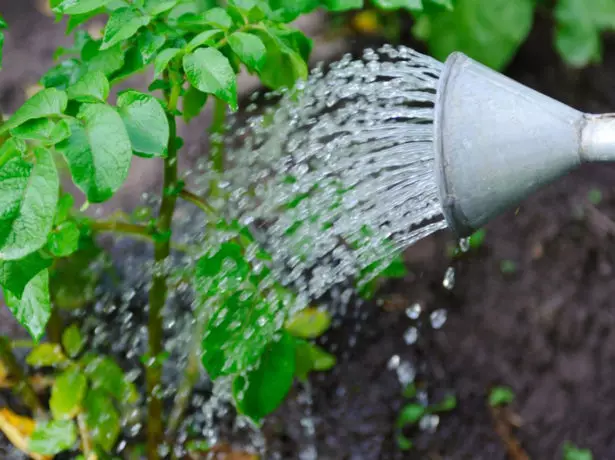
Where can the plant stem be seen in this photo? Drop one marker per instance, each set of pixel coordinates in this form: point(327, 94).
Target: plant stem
point(216, 139)
point(86, 440)
point(159, 290)
point(23, 387)
point(199, 202)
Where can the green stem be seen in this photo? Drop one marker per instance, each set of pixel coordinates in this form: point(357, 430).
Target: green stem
point(199, 202)
point(86, 439)
point(159, 289)
point(216, 133)
point(23, 387)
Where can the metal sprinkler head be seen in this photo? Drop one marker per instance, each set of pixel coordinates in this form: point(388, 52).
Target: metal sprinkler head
point(498, 141)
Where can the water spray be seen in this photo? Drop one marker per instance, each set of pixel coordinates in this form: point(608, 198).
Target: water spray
point(497, 141)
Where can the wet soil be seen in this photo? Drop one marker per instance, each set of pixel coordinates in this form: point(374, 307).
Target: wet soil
point(547, 329)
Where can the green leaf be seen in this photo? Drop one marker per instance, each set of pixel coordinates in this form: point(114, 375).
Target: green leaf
point(285, 11)
point(106, 375)
point(209, 71)
point(446, 405)
point(263, 389)
point(28, 198)
point(250, 50)
point(51, 438)
point(146, 123)
point(490, 32)
point(478, 238)
point(102, 419)
point(286, 49)
point(45, 103)
point(310, 357)
point(64, 239)
point(33, 309)
point(410, 415)
point(72, 341)
point(106, 61)
point(415, 5)
point(65, 205)
point(309, 323)
point(321, 360)
point(571, 452)
point(194, 101)
point(16, 274)
point(2, 26)
point(92, 87)
point(79, 6)
point(156, 7)
point(343, 5)
point(46, 354)
point(63, 75)
point(396, 269)
point(67, 394)
point(218, 17)
point(579, 24)
point(163, 59)
point(149, 44)
point(501, 396)
point(204, 38)
point(98, 151)
point(42, 130)
point(123, 24)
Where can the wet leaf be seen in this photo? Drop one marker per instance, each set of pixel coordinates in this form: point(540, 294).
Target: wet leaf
point(218, 17)
point(446, 405)
point(51, 438)
point(149, 44)
point(45, 103)
point(92, 87)
point(146, 123)
point(163, 59)
point(204, 38)
point(264, 388)
point(156, 7)
point(107, 60)
point(33, 309)
point(209, 71)
point(98, 151)
point(123, 24)
point(309, 323)
point(102, 419)
point(64, 239)
point(79, 6)
point(193, 102)
point(249, 48)
point(310, 357)
point(67, 394)
point(16, 274)
point(28, 198)
point(18, 429)
point(72, 341)
point(286, 49)
point(410, 414)
point(414, 5)
point(42, 130)
point(106, 375)
point(46, 354)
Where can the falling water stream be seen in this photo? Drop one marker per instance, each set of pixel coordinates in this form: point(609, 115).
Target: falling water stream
point(334, 179)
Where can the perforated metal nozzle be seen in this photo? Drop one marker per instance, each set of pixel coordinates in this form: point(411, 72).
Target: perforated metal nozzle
point(498, 141)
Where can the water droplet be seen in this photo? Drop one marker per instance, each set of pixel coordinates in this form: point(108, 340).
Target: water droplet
point(449, 279)
point(438, 318)
point(413, 311)
point(393, 362)
point(411, 335)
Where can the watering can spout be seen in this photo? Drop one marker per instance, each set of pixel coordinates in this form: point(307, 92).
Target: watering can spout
point(498, 141)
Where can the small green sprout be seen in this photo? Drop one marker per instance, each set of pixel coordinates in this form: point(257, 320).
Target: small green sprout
point(501, 396)
point(571, 452)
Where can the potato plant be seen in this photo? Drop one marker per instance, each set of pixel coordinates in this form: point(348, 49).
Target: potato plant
point(194, 49)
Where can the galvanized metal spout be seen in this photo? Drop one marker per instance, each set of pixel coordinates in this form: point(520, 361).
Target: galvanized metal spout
point(497, 141)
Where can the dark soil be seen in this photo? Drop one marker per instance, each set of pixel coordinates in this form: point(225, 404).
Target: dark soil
point(547, 330)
